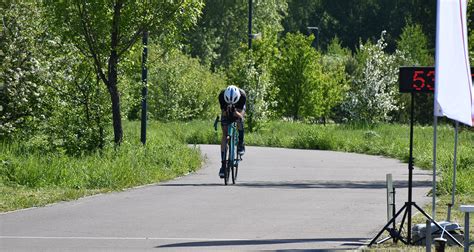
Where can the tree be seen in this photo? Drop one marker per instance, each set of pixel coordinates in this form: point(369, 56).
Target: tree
point(414, 44)
point(306, 90)
point(223, 27)
point(351, 20)
point(335, 81)
point(251, 71)
point(77, 104)
point(104, 31)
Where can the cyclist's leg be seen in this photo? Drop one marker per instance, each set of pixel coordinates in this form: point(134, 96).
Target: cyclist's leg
point(223, 146)
point(240, 126)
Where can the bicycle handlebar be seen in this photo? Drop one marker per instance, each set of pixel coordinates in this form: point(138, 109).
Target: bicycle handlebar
point(218, 120)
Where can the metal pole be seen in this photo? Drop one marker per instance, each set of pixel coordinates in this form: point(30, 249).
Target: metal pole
point(433, 207)
point(144, 88)
point(410, 168)
point(389, 196)
point(454, 169)
point(250, 24)
point(466, 232)
point(428, 236)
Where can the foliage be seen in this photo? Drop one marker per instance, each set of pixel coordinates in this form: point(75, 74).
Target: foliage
point(352, 20)
point(181, 88)
point(336, 63)
point(104, 32)
point(250, 70)
point(373, 95)
point(224, 27)
point(21, 72)
point(49, 88)
point(306, 89)
point(77, 104)
point(414, 44)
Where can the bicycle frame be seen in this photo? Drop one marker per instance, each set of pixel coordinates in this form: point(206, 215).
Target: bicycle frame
point(232, 157)
point(232, 141)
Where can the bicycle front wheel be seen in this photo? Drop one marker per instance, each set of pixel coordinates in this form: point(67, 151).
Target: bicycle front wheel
point(227, 172)
point(235, 168)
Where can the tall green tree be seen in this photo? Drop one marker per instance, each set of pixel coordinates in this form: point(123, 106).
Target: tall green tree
point(306, 90)
point(104, 31)
point(224, 26)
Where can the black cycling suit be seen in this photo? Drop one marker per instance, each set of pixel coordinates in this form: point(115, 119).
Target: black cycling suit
point(240, 105)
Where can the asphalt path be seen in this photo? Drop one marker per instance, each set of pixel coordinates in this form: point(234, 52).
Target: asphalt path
point(284, 200)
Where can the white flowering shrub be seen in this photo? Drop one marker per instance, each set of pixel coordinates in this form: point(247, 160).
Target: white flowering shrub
point(373, 96)
point(49, 93)
point(21, 92)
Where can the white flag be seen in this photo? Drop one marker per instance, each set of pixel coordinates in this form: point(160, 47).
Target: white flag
point(454, 94)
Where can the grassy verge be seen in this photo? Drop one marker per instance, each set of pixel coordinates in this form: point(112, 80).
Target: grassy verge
point(29, 177)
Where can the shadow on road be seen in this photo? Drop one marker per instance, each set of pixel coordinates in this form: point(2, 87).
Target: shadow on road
point(312, 184)
point(356, 242)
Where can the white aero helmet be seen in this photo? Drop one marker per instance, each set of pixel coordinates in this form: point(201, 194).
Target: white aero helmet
point(231, 94)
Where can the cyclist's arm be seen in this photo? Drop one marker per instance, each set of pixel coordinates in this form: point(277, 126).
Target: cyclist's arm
point(239, 113)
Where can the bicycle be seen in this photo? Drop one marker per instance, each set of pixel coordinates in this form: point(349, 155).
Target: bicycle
point(232, 155)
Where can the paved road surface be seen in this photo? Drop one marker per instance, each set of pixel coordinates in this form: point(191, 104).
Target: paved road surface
point(284, 200)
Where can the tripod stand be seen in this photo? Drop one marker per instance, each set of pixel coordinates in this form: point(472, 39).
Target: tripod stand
point(407, 207)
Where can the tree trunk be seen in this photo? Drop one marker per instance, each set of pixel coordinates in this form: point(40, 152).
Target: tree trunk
point(116, 116)
point(112, 75)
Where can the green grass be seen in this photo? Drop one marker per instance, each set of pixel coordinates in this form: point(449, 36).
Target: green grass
point(30, 177)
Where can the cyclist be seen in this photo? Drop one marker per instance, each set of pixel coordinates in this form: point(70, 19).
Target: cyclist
point(232, 101)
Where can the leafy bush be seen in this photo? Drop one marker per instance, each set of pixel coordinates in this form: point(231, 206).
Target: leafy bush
point(306, 89)
point(180, 88)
